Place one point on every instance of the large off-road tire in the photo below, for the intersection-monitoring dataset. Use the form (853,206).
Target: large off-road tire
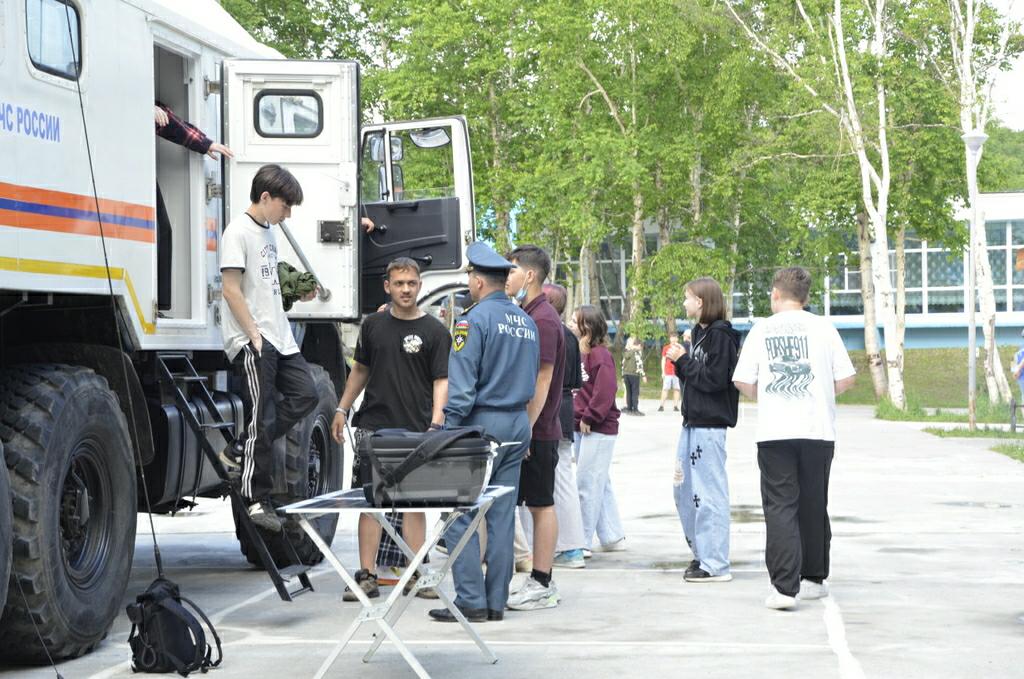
(312,466)
(72,476)
(6,541)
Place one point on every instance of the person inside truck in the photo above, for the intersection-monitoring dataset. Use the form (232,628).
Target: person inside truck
(174,129)
(258,339)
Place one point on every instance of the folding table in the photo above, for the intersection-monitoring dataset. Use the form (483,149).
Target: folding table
(387,613)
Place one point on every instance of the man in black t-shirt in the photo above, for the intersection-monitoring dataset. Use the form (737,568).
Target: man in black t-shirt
(401,362)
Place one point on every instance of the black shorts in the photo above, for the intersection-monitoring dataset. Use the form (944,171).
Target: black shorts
(537,476)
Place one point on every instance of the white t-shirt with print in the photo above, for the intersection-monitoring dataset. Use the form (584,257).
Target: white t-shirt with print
(795,359)
(252,247)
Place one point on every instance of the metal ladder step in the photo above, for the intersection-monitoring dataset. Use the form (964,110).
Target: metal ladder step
(294,571)
(217,425)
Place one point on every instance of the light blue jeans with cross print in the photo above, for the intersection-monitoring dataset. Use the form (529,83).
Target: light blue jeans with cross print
(701,491)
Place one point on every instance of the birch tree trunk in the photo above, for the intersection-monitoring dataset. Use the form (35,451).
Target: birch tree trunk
(872,346)
(975,103)
(875,181)
(875,184)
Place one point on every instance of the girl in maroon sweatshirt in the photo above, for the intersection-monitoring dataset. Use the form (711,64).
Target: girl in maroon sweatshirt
(596,428)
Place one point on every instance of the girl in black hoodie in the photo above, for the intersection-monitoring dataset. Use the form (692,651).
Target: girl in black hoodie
(710,405)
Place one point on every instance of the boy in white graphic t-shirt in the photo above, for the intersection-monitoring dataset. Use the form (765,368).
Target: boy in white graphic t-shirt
(794,364)
(258,338)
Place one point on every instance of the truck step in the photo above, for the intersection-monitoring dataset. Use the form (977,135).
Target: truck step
(289,573)
(178,377)
(217,425)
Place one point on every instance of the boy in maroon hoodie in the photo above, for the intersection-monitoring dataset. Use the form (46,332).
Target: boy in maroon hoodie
(597,427)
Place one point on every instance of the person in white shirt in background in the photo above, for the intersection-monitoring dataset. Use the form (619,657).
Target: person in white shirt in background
(795,364)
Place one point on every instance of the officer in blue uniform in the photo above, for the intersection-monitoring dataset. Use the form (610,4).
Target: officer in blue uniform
(492,373)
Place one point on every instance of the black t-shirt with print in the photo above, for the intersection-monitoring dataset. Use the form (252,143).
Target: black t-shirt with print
(404,358)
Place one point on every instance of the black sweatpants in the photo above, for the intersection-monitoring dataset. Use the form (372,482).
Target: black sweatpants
(268,417)
(632,392)
(794,495)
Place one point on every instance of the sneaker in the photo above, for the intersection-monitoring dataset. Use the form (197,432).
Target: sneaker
(701,575)
(367,582)
(692,568)
(425,593)
(231,457)
(779,601)
(639,413)
(812,590)
(661,409)
(617,546)
(263,514)
(524,566)
(441,546)
(675,408)
(533,595)
(572,558)
(587,553)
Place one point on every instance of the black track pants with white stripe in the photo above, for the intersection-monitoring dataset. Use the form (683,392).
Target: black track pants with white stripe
(278,392)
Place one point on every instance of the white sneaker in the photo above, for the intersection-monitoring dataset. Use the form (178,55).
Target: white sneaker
(587,553)
(617,546)
(780,601)
(532,596)
(812,590)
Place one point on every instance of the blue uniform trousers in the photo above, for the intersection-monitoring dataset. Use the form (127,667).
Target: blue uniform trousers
(471,588)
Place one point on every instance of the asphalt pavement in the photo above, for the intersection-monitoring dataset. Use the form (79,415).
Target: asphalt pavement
(927,580)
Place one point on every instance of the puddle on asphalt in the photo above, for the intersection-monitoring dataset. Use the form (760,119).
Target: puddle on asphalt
(680,565)
(747,514)
(850,519)
(982,505)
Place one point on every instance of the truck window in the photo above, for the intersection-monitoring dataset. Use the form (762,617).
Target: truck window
(289,113)
(425,168)
(371,170)
(54,37)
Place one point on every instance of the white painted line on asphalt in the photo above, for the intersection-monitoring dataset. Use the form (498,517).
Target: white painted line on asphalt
(267,640)
(849,668)
(216,619)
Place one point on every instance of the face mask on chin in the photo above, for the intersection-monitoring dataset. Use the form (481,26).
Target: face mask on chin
(521,295)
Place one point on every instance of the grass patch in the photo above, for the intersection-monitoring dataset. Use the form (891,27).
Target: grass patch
(1014,451)
(934,378)
(985,412)
(982,433)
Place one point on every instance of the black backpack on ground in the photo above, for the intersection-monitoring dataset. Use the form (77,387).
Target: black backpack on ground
(166,636)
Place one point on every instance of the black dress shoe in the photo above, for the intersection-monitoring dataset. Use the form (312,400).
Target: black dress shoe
(472,614)
(495,616)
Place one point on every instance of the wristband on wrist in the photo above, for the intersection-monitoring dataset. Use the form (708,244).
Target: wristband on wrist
(343,411)
(434,426)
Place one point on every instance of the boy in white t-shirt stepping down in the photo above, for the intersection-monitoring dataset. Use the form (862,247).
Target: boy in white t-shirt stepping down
(258,338)
(795,364)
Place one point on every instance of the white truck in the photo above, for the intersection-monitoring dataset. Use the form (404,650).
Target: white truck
(114,389)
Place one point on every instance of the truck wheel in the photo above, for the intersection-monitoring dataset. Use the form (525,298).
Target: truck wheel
(312,466)
(72,479)
(5,530)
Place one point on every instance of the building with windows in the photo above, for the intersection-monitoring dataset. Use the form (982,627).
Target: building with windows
(936,283)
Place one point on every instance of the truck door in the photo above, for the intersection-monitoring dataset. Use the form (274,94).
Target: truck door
(304,116)
(416,184)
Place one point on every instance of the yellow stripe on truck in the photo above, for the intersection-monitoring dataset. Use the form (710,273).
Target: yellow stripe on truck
(41,266)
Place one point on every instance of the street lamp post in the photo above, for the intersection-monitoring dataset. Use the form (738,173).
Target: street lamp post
(974,140)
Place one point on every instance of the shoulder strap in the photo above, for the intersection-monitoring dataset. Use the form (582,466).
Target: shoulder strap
(213,631)
(176,609)
(426,451)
